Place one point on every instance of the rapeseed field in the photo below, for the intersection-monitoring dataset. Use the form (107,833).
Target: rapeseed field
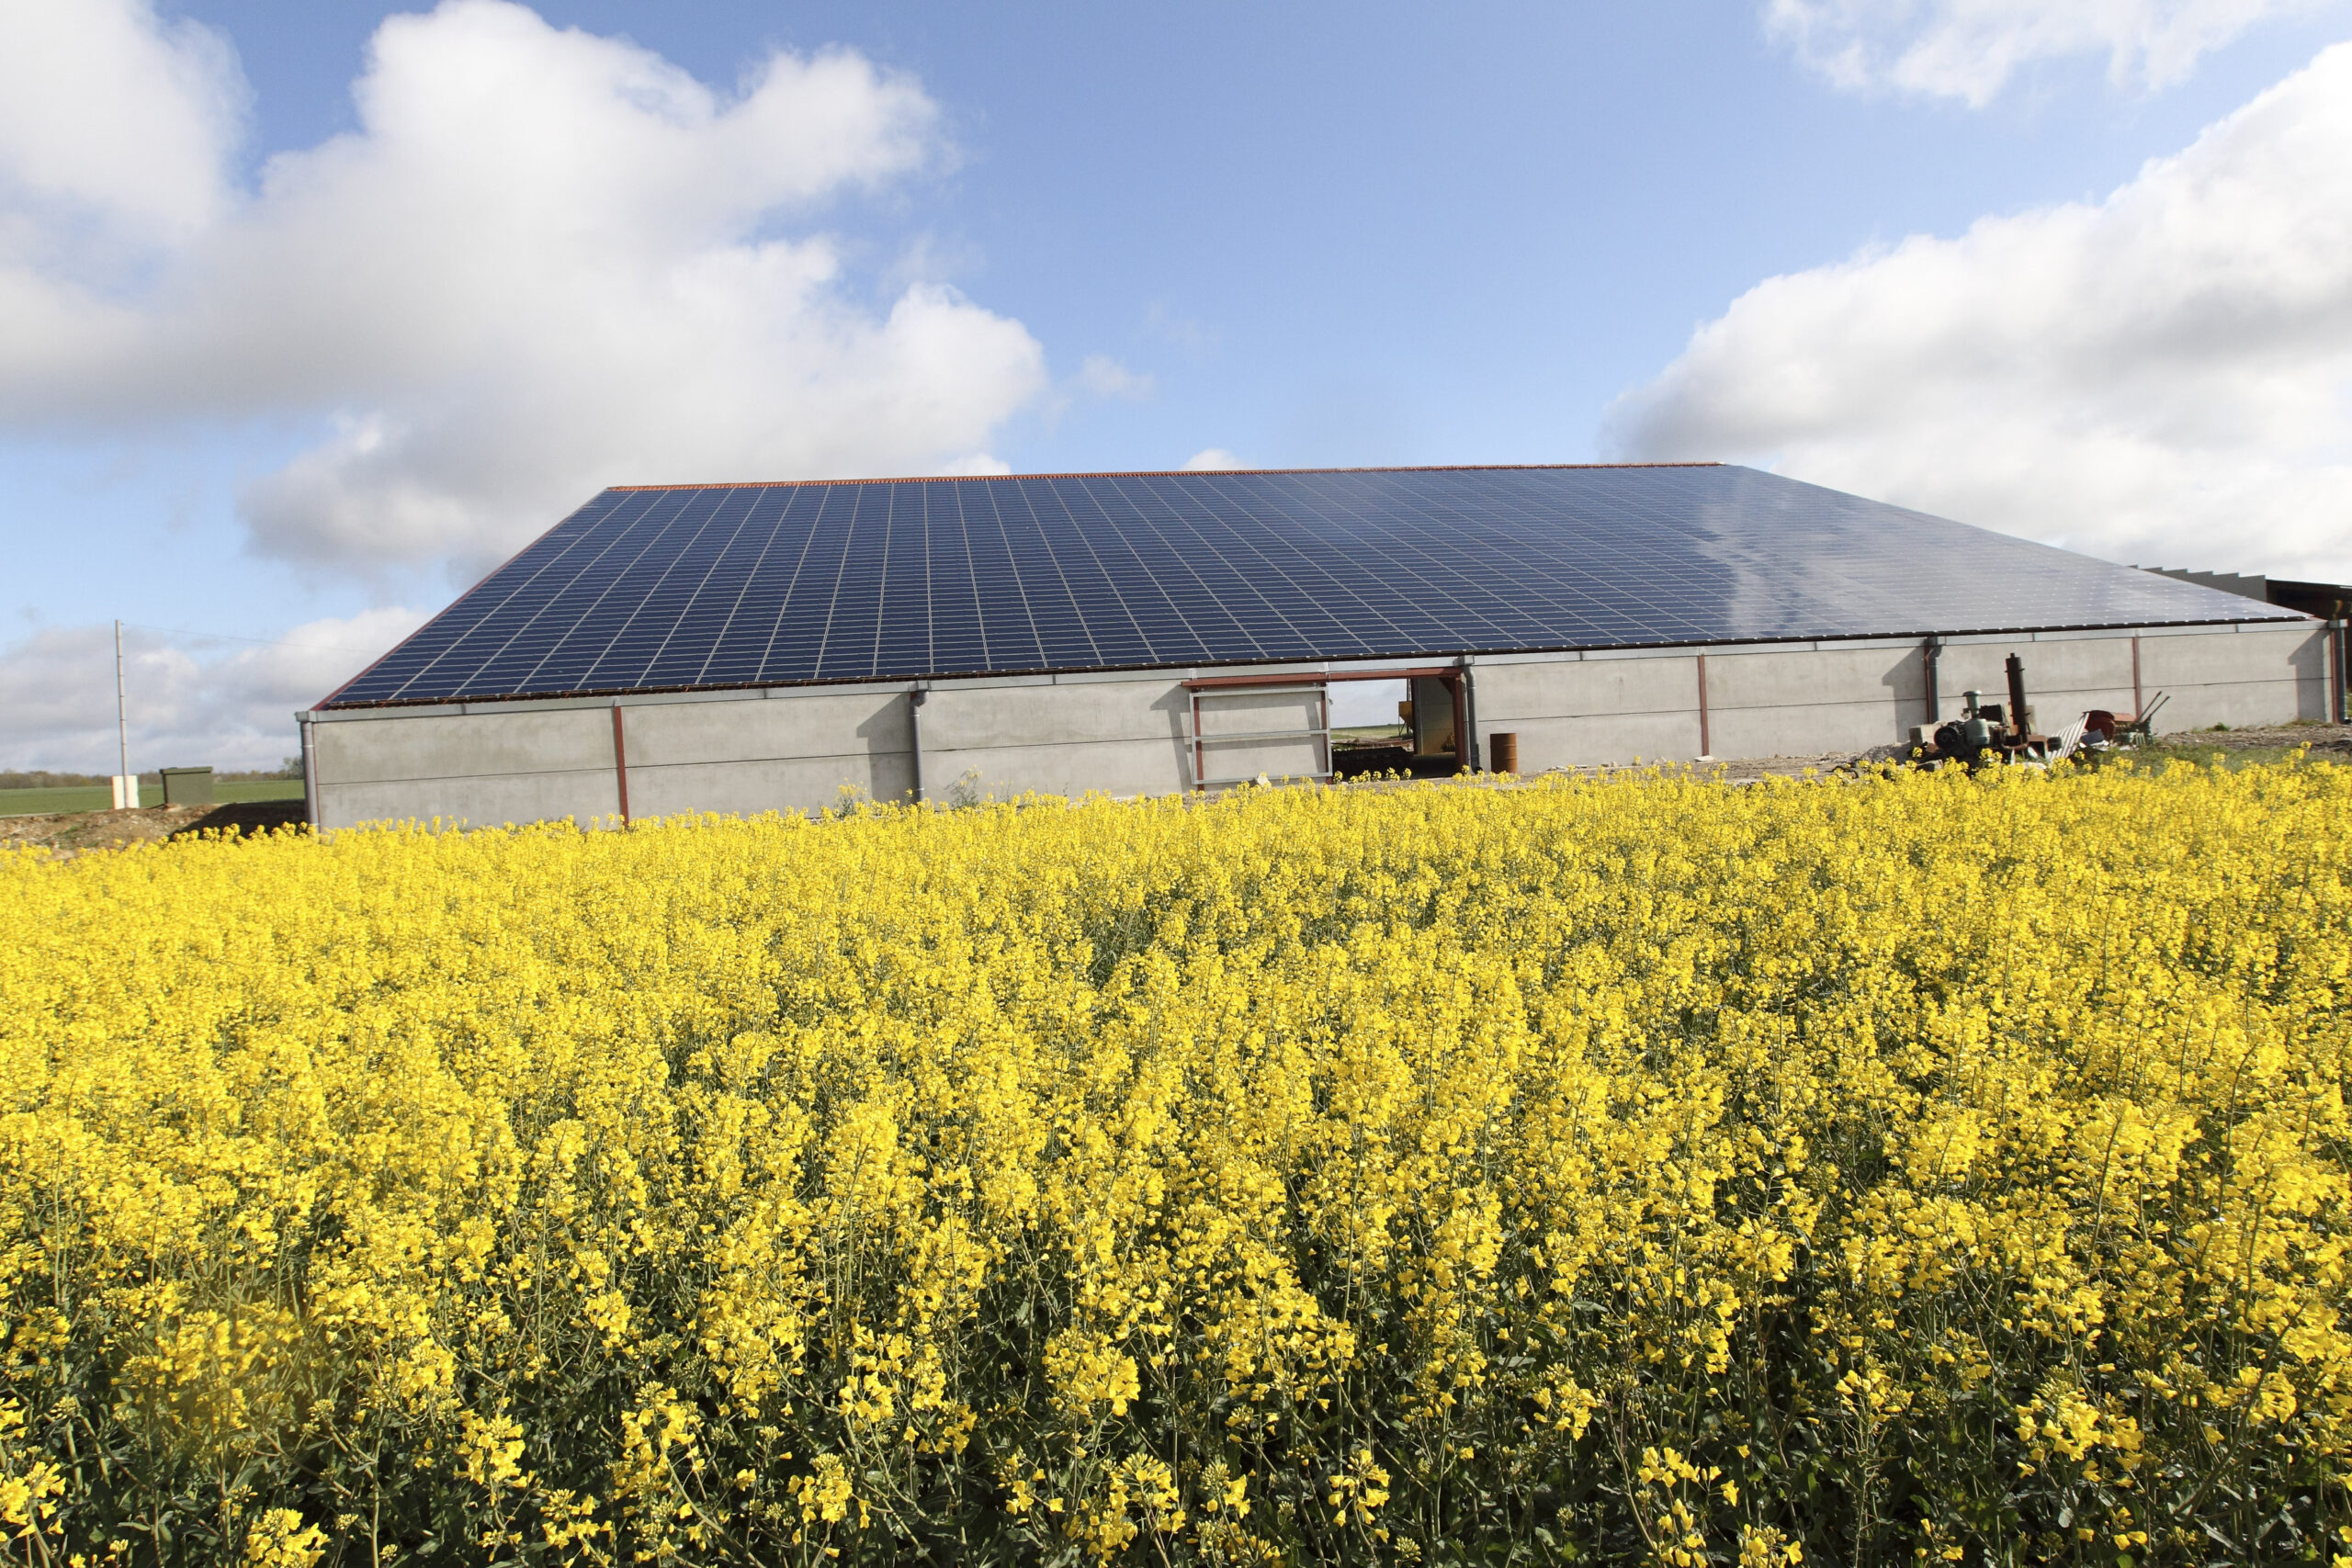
(1910,1169)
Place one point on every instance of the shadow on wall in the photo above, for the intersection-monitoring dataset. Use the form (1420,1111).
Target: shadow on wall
(889,736)
(1906,680)
(1176,704)
(2312,686)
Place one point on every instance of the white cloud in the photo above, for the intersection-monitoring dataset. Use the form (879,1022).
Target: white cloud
(543,262)
(114,119)
(1209,459)
(1186,332)
(191,702)
(1971,49)
(980,465)
(1105,377)
(2164,377)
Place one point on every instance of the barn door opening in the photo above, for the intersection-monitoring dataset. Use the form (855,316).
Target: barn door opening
(1246,728)
(1371,728)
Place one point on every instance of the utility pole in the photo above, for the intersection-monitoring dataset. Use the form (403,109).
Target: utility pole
(125,786)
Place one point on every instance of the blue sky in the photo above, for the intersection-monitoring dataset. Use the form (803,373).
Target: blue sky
(291,369)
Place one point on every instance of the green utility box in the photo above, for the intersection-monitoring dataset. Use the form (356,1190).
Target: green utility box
(187,786)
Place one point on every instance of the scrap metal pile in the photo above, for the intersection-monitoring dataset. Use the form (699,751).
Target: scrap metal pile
(1995,733)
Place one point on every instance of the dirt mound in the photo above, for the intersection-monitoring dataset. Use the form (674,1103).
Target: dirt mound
(70,832)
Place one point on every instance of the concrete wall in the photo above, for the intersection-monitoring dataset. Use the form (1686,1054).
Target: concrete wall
(2235,681)
(1570,711)
(1117,735)
(521,763)
(800,752)
(801,749)
(481,767)
(1808,699)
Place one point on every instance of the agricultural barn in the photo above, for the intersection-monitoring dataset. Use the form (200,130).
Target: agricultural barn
(753,647)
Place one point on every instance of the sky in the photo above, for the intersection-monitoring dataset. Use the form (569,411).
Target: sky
(310,314)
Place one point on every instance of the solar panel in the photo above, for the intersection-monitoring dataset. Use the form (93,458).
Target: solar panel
(673,588)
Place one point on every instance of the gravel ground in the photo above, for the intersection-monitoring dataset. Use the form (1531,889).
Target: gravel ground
(2329,742)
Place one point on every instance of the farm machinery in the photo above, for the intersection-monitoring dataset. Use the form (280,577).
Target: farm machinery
(2004,732)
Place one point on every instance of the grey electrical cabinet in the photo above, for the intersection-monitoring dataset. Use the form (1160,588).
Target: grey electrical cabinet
(187,786)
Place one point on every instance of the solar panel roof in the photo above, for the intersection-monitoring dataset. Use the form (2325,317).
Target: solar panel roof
(699,586)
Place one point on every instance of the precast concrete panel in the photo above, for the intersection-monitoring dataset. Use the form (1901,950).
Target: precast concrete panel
(459,745)
(1062,737)
(856,723)
(2232,659)
(1804,701)
(1886,679)
(1107,767)
(1612,740)
(804,784)
(1586,712)
(2236,677)
(1576,688)
(2235,703)
(483,802)
(2074,664)
(1802,730)
(958,717)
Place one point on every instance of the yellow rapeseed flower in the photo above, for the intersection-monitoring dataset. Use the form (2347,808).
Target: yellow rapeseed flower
(1635,1168)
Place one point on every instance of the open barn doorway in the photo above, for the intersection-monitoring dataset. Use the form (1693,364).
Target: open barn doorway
(1371,727)
(1330,726)
(1403,725)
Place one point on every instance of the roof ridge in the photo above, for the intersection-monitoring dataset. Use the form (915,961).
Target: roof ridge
(1154,474)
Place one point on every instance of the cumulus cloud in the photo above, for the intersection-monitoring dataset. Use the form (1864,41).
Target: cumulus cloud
(191,702)
(1971,49)
(2165,376)
(543,261)
(114,120)
(1104,377)
(1210,458)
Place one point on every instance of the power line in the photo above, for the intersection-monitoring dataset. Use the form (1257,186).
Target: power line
(258,642)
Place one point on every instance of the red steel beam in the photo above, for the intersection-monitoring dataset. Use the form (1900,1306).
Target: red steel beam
(1211,682)
(620,763)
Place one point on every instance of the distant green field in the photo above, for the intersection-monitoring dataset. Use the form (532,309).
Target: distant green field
(33,801)
(97,797)
(234,792)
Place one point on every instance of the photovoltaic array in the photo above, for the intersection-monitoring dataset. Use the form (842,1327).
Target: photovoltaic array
(682,587)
